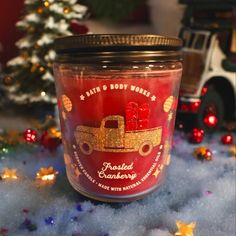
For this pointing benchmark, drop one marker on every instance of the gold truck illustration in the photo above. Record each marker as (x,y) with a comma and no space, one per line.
(111,136)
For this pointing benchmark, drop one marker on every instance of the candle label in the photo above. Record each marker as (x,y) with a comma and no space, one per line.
(117,136)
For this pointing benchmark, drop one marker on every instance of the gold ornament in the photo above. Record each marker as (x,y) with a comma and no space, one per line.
(54,132)
(185,229)
(46,4)
(66,103)
(9,174)
(40,10)
(66,10)
(46,176)
(41,69)
(117,139)
(168,104)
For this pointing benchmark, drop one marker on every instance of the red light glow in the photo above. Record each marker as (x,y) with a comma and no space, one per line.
(204,90)
(227,139)
(210,120)
(190,106)
(197,135)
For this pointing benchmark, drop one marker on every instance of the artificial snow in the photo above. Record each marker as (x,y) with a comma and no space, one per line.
(50,56)
(45,39)
(25,42)
(48,76)
(194,191)
(16,61)
(32,18)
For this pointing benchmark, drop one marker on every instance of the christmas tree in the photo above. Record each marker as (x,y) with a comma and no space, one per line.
(30,73)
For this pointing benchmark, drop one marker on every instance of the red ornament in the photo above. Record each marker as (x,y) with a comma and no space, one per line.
(49,142)
(227,139)
(210,120)
(77,28)
(30,135)
(197,135)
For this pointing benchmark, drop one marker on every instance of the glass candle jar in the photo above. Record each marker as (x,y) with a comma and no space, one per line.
(117,99)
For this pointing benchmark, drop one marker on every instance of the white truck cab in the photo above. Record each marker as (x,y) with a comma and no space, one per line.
(208,87)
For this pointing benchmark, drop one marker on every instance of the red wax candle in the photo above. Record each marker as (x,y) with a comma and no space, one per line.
(117,111)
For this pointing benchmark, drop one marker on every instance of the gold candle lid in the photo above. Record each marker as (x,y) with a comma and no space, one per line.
(113,42)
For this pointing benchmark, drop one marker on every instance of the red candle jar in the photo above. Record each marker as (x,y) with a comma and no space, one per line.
(117,98)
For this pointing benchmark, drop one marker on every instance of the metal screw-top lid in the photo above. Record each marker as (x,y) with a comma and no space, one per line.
(116,42)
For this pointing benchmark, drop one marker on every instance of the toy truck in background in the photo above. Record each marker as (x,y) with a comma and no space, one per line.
(112,136)
(208,87)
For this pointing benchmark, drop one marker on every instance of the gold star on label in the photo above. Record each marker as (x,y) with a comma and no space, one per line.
(66,103)
(170,116)
(158,170)
(156,173)
(82,97)
(168,104)
(153,98)
(185,229)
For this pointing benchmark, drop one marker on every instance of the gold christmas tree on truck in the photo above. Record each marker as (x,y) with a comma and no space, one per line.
(30,77)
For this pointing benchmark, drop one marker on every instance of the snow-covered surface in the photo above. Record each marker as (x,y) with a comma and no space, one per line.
(203,192)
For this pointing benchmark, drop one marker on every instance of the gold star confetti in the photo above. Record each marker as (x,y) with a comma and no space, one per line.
(233,150)
(46,175)
(203,153)
(185,229)
(9,174)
